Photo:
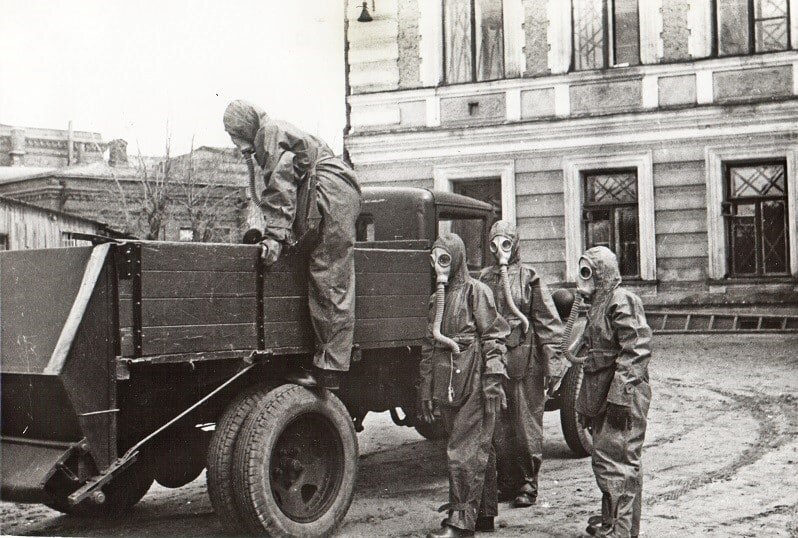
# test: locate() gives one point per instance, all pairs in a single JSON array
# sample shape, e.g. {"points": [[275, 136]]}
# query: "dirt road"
{"points": [[721, 459]]}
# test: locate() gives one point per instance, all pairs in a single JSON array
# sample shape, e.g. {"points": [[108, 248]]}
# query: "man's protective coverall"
{"points": [[616, 373], [289, 156], [471, 319], [531, 357]]}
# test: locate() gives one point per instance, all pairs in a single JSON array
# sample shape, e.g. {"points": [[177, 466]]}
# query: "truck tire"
{"points": [[295, 464], [578, 439], [121, 494], [220, 457], [179, 456]]}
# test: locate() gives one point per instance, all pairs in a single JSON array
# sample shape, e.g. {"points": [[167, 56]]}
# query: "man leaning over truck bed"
{"points": [[311, 201]]}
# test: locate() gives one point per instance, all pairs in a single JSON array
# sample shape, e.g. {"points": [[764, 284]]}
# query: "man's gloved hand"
{"points": [[270, 250], [552, 383], [428, 411], [619, 416], [492, 389]]}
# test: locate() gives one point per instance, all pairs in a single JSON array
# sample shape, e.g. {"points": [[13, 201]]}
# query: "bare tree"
{"points": [[145, 203], [204, 203]]}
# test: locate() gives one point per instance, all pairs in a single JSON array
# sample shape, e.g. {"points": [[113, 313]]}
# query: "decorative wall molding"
{"points": [[699, 23], [715, 157], [430, 29], [572, 188], [445, 176], [651, 44], [514, 38]]}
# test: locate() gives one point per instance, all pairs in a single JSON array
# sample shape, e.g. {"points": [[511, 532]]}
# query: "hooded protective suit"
{"points": [[289, 157], [615, 393], [456, 383], [531, 357]]}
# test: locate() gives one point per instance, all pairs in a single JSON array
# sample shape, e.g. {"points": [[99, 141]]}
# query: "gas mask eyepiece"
{"points": [[502, 248], [585, 284], [442, 263]]}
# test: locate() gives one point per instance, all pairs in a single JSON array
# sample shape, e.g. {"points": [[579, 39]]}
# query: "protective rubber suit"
{"points": [[615, 393], [534, 360], [321, 217], [464, 386]]}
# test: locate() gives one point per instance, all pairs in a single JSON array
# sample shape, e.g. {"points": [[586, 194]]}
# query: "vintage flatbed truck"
{"points": [[134, 361]]}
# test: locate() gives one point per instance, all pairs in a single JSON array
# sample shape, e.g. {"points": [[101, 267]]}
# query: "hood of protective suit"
{"points": [[507, 229], [606, 276], [242, 119], [452, 244]]}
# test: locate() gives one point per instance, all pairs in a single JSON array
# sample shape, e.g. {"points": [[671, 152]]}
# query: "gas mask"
{"points": [[585, 283], [441, 261], [502, 248]]}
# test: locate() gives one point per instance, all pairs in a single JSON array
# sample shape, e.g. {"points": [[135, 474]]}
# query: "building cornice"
{"points": [[694, 123]]}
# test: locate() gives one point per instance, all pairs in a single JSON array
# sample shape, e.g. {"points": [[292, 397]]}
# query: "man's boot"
{"points": [[523, 500], [485, 524], [315, 377]]}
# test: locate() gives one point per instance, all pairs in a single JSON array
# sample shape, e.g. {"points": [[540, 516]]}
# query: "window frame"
{"points": [[609, 37], [573, 202], [5, 242], [715, 157], [474, 78], [598, 206], [751, 44], [757, 202]]}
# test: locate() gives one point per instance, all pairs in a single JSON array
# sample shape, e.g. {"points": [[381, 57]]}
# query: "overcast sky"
{"points": [[125, 68]]}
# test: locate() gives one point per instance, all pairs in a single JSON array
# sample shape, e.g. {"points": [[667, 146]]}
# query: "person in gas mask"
{"points": [[615, 393], [311, 202], [535, 363], [462, 368]]}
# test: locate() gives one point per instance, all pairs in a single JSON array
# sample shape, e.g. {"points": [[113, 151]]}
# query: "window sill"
{"points": [[744, 281]]}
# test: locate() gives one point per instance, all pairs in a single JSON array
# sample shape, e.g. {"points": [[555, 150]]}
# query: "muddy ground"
{"points": [[721, 459]]}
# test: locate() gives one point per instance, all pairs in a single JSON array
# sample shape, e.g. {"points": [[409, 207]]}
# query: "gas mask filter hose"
{"points": [[251, 169], [508, 295], [565, 343], [440, 301]]}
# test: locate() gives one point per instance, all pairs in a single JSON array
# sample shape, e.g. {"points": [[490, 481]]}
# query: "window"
{"points": [[364, 228], [610, 215], [755, 211], [186, 234], [750, 26], [473, 40], [4, 242], [605, 33], [471, 231]]}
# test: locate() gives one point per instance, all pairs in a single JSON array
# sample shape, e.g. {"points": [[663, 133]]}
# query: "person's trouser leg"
{"points": [[468, 454], [529, 400], [331, 276], [617, 464]]}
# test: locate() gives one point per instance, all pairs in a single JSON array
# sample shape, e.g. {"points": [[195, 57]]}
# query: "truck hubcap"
{"points": [[307, 467]]}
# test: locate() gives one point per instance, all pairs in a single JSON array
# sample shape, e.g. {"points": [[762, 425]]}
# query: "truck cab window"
{"points": [[472, 232]]}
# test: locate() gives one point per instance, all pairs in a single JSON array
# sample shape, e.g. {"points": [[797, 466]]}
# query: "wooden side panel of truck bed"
{"points": [[205, 298]]}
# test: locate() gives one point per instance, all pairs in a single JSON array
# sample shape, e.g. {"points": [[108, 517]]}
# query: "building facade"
{"points": [[666, 130]]}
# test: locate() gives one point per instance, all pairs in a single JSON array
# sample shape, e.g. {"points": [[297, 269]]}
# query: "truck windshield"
{"points": [[472, 231]]}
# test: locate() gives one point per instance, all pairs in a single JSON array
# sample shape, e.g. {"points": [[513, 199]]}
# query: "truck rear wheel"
{"points": [[295, 464], [121, 494], [578, 439], [220, 457]]}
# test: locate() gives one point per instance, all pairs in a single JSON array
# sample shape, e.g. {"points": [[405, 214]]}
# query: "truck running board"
{"points": [[702, 323]]}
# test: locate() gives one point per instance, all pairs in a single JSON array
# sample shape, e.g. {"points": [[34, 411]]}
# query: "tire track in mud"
{"points": [[766, 410]]}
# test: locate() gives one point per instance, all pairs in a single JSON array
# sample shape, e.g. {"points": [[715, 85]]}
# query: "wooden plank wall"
{"points": [[32, 228]]}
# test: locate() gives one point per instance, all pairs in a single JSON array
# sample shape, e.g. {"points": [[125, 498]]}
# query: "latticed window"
{"points": [[748, 26], [756, 218], [473, 40], [610, 215], [595, 47]]}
